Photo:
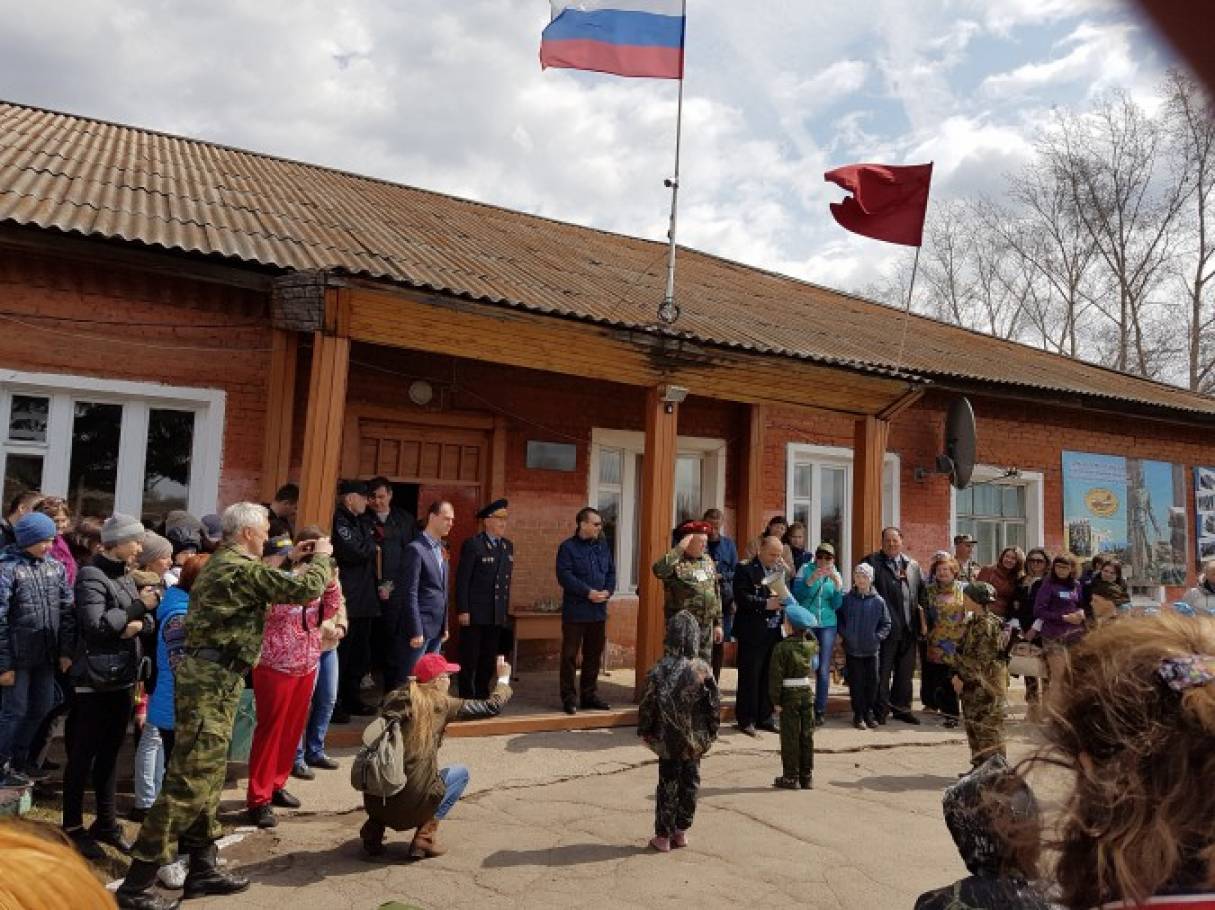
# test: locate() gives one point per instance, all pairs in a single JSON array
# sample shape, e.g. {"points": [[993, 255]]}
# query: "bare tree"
{"points": [[1109, 161], [1191, 130]]}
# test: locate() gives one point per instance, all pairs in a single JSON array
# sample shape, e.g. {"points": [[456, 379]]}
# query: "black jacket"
{"points": [[106, 600], [354, 549], [483, 580], [753, 620], [8, 536], [392, 536], [34, 597], [887, 585]]}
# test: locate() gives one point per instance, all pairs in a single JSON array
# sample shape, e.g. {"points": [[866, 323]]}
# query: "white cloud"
{"points": [[1100, 56]]}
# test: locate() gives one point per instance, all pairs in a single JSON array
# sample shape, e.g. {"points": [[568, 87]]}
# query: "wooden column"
{"points": [[326, 412], [657, 507], [280, 412], [868, 454], [749, 521]]}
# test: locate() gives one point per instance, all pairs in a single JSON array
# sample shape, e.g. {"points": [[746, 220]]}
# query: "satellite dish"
{"points": [[960, 442]]}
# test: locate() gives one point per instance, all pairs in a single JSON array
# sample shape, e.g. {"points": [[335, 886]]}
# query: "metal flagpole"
{"points": [[668, 312], [898, 362]]}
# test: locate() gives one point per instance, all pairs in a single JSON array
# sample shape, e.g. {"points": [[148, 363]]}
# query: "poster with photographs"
{"points": [[1130, 508], [1204, 502]]}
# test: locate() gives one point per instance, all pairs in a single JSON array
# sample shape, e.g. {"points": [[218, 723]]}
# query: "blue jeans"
{"points": [[23, 705], [429, 646], [149, 768], [826, 642], [455, 779], [324, 697]]}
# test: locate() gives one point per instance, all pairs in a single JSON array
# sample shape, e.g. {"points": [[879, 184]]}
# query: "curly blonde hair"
{"points": [[1140, 815]]}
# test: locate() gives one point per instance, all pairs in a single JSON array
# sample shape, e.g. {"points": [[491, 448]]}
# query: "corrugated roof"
{"points": [[99, 179]]}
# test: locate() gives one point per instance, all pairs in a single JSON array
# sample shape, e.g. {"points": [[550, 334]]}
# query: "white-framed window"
{"points": [[614, 488], [998, 511], [108, 445], [818, 493]]}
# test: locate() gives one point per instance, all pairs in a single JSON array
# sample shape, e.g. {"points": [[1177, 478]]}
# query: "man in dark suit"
{"points": [[482, 599], [424, 582], [586, 572], [897, 578], [354, 551], [757, 628], [392, 529]]}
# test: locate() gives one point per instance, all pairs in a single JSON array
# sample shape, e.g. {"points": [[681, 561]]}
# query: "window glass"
{"points": [[93, 471], [687, 488], [551, 456], [27, 418], [166, 479], [835, 493], [611, 465], [21, 473], [803, 481], [966, 501]]}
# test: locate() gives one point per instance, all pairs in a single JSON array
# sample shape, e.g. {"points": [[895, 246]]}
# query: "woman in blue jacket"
{"points": [[819, 588]]}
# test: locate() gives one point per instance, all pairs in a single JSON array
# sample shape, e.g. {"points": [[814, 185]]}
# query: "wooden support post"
{"points": [[868, 456], [657, 507], [326, 412], [749, 521], [280, 412]]}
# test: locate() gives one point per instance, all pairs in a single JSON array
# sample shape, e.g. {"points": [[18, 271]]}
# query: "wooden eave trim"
{"points": [[444, 325], [131, 255]]}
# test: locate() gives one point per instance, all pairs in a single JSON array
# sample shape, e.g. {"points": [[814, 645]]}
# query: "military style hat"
{"points": [[980, 592], [695, 527], [825, 548], [498, 505]]}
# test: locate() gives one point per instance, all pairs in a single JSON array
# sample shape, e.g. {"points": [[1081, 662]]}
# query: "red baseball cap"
{"points": [[431, 665]]}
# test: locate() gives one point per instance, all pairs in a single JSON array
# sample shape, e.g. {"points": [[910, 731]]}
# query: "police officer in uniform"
{"points": [[223, 639], [482, 599], [354, 550], [689, 578]]}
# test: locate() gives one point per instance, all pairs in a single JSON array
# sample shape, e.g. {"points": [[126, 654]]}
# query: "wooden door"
{"points": [[446, 462]]}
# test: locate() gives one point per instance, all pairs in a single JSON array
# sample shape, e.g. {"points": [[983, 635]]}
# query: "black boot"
{"points": [[205, 878], [136, 893]]}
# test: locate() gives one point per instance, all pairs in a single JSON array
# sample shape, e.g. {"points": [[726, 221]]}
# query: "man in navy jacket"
{"points": [[425, 580], [587, 575]]}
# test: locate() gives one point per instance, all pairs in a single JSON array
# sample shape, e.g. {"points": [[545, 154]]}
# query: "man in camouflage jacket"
{"points": [[223, 640], [690, 580], [979, 673]]}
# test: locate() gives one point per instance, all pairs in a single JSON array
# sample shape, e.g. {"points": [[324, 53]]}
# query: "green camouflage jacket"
{"points": [[981, 656], [792, 658], [230, 597], [691, 584]]}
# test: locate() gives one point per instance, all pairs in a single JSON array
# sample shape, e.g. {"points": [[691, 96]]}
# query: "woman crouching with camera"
{"points": [[423, 709]]}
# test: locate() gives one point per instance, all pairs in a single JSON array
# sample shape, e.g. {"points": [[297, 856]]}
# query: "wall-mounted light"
{"points": [[421, 392], [671, 395]]}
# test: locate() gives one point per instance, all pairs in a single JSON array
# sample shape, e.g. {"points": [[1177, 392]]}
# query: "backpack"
{"points": [[379, 766]]}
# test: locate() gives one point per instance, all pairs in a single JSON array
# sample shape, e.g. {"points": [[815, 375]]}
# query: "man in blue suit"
{"points": [[587, 575], [425, 579]]}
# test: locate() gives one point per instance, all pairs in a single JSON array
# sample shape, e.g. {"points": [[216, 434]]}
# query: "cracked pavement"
{"points": [[553, 820]]}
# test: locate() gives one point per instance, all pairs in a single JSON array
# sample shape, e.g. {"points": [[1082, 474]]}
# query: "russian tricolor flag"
{"points": [[624, 37]]}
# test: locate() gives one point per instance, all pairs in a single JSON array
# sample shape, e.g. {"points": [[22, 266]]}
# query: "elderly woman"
{"points": [[424, 710], [1201, 597], [946, 623]]}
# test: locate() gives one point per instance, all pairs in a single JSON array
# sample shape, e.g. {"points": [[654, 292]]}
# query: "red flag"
{"points": [[888, 201]]}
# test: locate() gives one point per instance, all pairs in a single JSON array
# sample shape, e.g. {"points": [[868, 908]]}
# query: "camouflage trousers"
{"points": [[184, 815], [797, 731], [983, 714], [678, 782]]}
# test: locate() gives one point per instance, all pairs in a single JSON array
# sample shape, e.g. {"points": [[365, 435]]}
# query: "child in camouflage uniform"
{"points": [[678, 718], [794, 661], [979, 673]]}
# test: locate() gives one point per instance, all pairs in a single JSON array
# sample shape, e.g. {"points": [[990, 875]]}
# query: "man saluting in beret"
{"points": [[690, 578], [482, 599]]}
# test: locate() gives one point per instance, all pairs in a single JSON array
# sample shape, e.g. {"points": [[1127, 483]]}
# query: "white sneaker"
{"points": [[173, 875]]}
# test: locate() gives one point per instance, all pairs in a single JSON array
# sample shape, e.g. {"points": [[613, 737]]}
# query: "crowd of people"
{"points": [[108, 621]]}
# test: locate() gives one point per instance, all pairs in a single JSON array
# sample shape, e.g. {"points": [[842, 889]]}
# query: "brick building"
{"points": [[185, 325]]}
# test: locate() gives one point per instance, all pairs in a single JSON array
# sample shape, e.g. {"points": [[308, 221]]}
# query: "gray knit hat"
{"points": [[154, 547], [119, 528]]}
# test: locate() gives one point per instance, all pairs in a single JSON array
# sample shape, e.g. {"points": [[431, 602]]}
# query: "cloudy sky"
{"points": [[449, 95]]}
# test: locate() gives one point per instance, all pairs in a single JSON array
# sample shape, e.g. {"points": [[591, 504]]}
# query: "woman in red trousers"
{"points": [[282, 689]]}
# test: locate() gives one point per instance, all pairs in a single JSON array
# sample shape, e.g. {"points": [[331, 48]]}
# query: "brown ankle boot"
{"points": [[426, 841], [372, 834]]}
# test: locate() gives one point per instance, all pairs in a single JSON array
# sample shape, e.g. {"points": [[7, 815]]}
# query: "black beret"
{"points": [[352, 486], [493, 507]]}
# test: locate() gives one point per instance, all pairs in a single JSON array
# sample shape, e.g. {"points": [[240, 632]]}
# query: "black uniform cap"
{"points": [[493, 507]]}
